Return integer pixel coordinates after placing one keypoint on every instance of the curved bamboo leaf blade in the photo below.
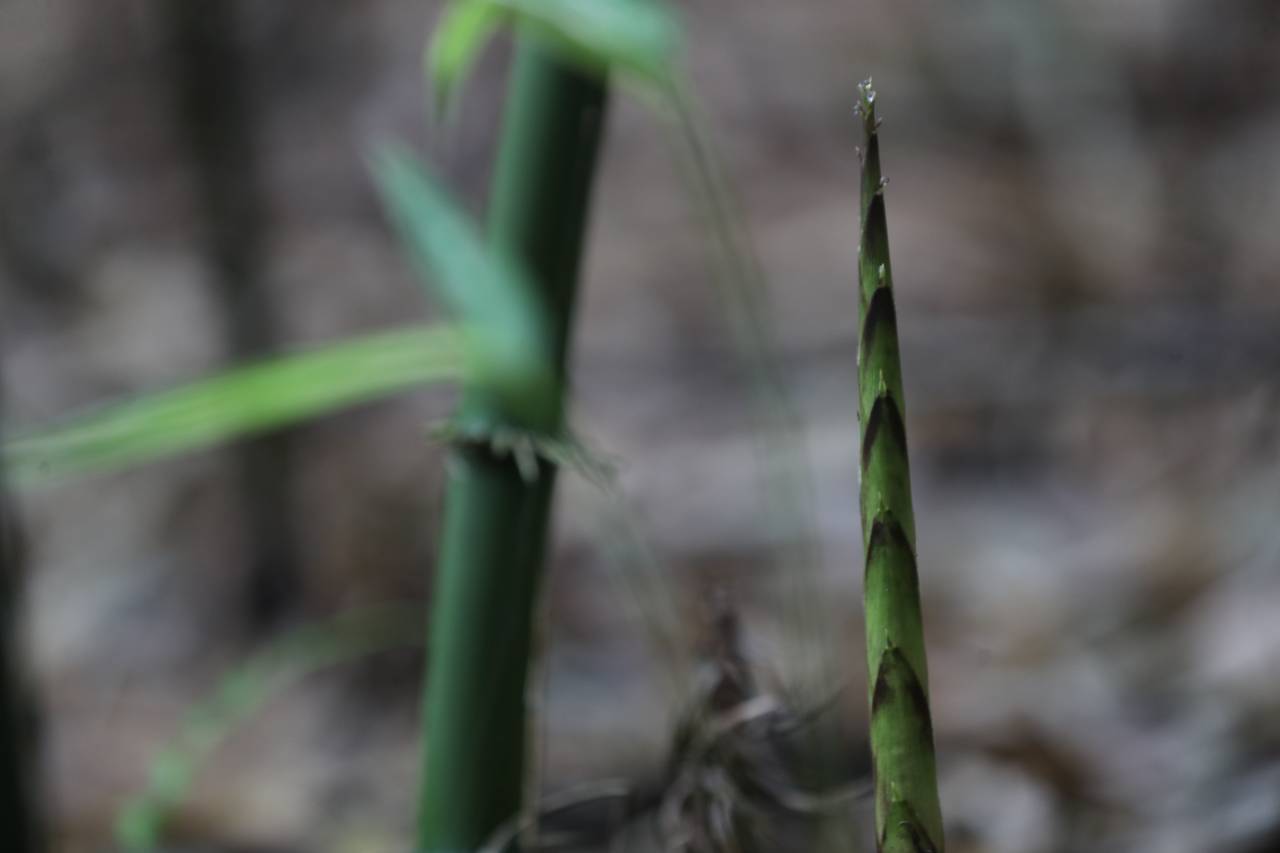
(908, 814)
(269, 395)
(640, 39)
(464, 29)
(504, 325)
(240, 695)
(637, 37)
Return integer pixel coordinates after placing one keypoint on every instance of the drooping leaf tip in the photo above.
(462, 30)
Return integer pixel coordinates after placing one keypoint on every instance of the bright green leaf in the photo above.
(464, 28)
(505, 330)
(639, 39)
(272, 394)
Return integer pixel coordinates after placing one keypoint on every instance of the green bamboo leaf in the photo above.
(636, 37)
(507, 346)
(460, 35)
(269, 395)
(640, 39)
(240, 695)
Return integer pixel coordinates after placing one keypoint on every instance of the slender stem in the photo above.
(785, 471)
(495, 525)
(908, 815)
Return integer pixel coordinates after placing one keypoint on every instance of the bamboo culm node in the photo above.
(908, 814)
(498, 501)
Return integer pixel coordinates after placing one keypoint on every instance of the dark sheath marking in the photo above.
(884, 413)
(883, 692)
(919, 836)
(886, 532)
(890, 661)
(875, 232)
(881, 313)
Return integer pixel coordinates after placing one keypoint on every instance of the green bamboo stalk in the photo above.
(495, 523)
(908, 815)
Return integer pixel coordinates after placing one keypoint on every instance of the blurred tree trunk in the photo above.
(18, 801)
(215, 111)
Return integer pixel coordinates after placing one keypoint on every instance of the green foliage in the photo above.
(500, 346)
(640, 39)
(642, 42)
(241, 694)
(273, 394)
(464, 28)
(507, 347)
(504, 325)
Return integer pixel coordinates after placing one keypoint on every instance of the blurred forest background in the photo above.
(1085, 220)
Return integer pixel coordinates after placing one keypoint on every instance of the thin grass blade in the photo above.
(638, 39)
(242, 402)
(240, 695)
